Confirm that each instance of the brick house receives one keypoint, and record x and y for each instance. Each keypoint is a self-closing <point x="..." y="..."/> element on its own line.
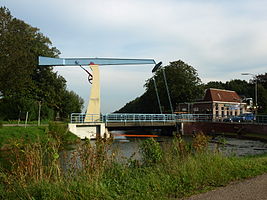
<point x="220" y="103"/>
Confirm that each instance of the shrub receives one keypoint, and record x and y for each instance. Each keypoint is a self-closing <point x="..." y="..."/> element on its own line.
<point x="33" y="161"/>
<point x="151" y="151"/>
<point x="200" y="142"/>
<point x="60" y="132"/>
<point x="180" y="147"/>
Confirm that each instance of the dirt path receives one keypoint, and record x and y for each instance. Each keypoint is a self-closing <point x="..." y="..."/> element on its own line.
<point x="250" y="189"/>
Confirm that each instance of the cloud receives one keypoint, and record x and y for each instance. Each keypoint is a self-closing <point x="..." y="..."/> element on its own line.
<point x="119" y="84"/>
<point x="221" y="39"/>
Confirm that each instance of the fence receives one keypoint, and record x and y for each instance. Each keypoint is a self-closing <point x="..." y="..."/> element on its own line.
<point x="129" y="117"/>
<point x="122" y="117"/>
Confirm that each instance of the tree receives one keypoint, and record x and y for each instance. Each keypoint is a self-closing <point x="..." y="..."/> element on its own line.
<point x="215" y="84"/>
<point x="246" y="89"/>
<point x="262" y="92"/>
<point x="242" y="87"/>
<point x="262" y="79"/>
<point x="262" y="99"/>
<point x="22" y="82"/>
<point x="184" y="86"/>
<point x="71" y="103"/>
<point x="20" y="45"/>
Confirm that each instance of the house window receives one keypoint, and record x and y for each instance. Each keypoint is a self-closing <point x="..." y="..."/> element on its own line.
<point x="217" y="110"/>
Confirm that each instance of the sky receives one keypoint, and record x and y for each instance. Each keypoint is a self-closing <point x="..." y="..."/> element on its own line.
<point x="220" y="39"/>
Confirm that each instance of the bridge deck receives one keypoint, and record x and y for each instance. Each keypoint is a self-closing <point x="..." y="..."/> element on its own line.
<point x="129" y="119"/>
<point x="139" y="124"/>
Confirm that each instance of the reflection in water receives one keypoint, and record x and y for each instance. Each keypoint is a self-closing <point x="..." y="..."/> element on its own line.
<point x="240" y="147"/>
<point x="125" y="147"/>
<point x="129" y="146"/>
<point x="126" y="143"/>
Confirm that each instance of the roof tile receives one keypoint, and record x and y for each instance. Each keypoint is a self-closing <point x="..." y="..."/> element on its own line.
<point x="221" y="95"/>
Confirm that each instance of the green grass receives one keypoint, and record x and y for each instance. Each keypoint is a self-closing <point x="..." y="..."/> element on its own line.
<point x="32" y="134"/>
<point x="28" y="122"/>
<point x="195" y="174"/>
<point x="29" y="134"/>
<point x="181" y="170"/>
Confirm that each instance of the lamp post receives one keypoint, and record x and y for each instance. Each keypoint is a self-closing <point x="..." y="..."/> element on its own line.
<point x="256" y="95"/>
<point x="39" y="113"/>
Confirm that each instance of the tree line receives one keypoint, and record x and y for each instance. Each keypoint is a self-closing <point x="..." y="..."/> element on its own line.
<point x="185" y="86"/>
<point x="23" y="84"/>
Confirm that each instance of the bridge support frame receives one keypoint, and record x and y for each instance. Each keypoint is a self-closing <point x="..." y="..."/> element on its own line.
<point x="94" y="101"/>
<point x="93" y="107"/>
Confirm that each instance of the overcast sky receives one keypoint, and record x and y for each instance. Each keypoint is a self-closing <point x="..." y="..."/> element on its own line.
<point x="220" y="39"/>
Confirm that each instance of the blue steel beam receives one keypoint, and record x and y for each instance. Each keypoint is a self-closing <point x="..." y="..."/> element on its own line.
<point x="47" y="61"/>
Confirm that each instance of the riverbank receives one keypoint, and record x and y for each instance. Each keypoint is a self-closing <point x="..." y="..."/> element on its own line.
<point x="252" y="136"/>
<point x="33" y="133"/>
<point x="249" y="130"/>
<point x="172" y="171"/>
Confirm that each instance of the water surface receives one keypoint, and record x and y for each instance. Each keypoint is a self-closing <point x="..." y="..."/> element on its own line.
<point x="125" y="147"/>
<point x="129" y="146"/>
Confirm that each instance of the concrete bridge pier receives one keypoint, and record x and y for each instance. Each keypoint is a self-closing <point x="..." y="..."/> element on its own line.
<point x="181" y="128"/>
<point x="89" y="130"/>
<point x="168" y="130"/>
<point x="172" y="130"/>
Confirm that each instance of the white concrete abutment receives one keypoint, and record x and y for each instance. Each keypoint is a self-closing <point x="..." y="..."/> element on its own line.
<point x="89" y="130"/>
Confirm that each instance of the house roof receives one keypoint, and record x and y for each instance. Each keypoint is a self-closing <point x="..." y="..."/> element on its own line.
<point x="213" y="94"/>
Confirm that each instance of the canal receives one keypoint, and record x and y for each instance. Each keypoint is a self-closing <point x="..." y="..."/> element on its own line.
<point x="128" y="146"/>
<point x="125" y="146"/>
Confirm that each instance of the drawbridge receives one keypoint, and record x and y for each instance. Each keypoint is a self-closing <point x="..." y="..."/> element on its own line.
<point x="92" y="125"/>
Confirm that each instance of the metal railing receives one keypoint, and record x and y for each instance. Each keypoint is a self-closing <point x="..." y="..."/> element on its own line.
<point x="129" y="117"/>
<point x="83" y="118"/>
<point x="193" y="117"/>
<point x="140" y="117"/>
<point x="261" y="119"/>
<point x="122" y="117"/>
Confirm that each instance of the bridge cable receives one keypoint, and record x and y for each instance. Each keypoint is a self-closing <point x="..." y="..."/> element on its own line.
<point x="90" y="76"/>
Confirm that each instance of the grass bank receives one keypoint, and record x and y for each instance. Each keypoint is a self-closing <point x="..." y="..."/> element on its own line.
<point x="22" y="122"/>
<point x="172" y="171"/>
<point x="31" y="134"/>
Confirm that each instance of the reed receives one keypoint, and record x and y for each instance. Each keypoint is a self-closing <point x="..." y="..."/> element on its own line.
<point x="91" y="159"/>
<point x="33" y="161"/>
<point x="175" y="170"/>
<point x="151" y="152"/>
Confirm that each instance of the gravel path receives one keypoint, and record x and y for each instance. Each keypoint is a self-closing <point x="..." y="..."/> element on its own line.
<point x="250" y="189"/>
